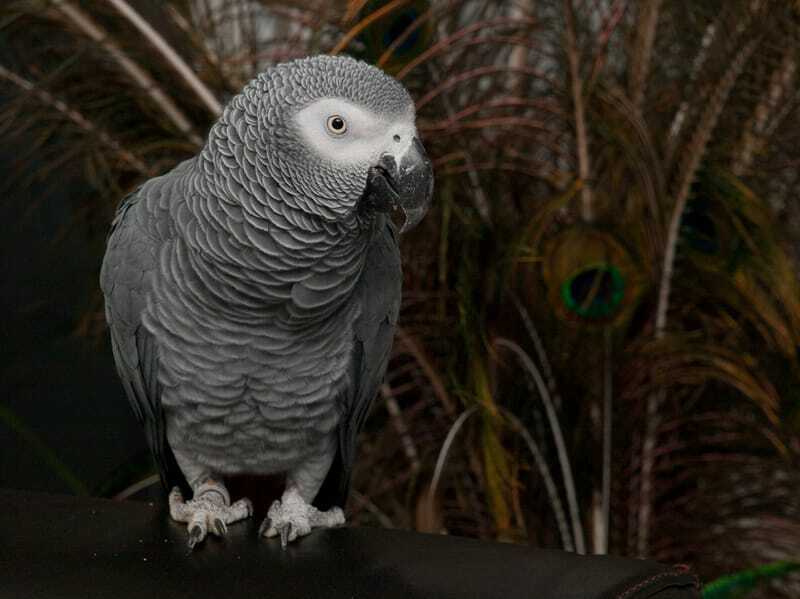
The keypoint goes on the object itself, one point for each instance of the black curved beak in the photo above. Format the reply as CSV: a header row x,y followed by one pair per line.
x,y
407,185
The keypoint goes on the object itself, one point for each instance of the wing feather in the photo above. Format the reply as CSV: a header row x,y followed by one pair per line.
x,y
125,281
379,292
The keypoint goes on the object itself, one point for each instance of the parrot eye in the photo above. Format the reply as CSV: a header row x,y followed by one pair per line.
x,y
336,125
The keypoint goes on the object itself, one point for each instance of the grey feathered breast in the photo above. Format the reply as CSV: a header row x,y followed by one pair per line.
x,y
226,342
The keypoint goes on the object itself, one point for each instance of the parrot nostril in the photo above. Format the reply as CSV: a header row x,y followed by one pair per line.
x,y
397,138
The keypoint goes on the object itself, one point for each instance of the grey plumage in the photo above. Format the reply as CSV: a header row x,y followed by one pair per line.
x,y
252,293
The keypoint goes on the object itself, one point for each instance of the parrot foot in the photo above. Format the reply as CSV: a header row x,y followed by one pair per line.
x,y
292,517
210,511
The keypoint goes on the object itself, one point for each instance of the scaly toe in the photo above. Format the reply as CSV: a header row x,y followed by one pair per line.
x,y
292,518
287,534
243,507
208,513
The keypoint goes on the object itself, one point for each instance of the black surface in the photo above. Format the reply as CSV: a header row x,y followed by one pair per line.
x,y
58,546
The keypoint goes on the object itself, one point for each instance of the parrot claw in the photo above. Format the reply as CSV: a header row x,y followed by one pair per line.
x,y
209,511
219,527
196,534
292,517
286,532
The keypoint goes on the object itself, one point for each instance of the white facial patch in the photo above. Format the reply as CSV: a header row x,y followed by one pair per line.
x,y
366,137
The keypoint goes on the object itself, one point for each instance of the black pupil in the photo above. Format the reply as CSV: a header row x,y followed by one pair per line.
x,y
592,281
337,124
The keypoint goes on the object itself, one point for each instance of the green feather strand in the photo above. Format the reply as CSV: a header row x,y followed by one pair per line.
x,y
739,584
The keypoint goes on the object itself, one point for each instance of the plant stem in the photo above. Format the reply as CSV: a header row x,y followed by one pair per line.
x,y
773,97
91,29
558,439
688,169
547,477
400,426
380,515
445,449
608,388
136,487
76,117
540,352
170,55
366,22
581,136
478,195
414,350
643,49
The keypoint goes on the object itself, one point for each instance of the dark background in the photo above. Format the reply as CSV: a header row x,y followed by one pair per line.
x,y
62,409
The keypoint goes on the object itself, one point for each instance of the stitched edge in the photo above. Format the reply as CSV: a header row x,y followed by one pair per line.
x,y
676,570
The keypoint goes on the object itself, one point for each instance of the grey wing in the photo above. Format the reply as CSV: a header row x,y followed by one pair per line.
x,y
125,279
379,291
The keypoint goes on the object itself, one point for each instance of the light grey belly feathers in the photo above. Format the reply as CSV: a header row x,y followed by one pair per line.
x,y
250,313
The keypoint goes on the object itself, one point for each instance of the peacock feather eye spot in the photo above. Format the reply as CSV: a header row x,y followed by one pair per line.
x,y
594,291
591,277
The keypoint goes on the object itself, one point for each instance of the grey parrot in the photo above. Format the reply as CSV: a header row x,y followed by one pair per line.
x,y
252,292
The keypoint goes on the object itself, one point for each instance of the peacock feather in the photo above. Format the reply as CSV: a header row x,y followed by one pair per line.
x,y
590,276
699,229
740,584
720,223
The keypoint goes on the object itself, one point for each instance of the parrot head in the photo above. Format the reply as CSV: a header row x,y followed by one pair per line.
x,y
335,135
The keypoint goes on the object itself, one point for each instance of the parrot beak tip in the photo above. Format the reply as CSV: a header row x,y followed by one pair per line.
x,y
407,185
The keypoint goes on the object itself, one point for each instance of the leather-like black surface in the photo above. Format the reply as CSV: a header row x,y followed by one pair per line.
x,y
57,546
